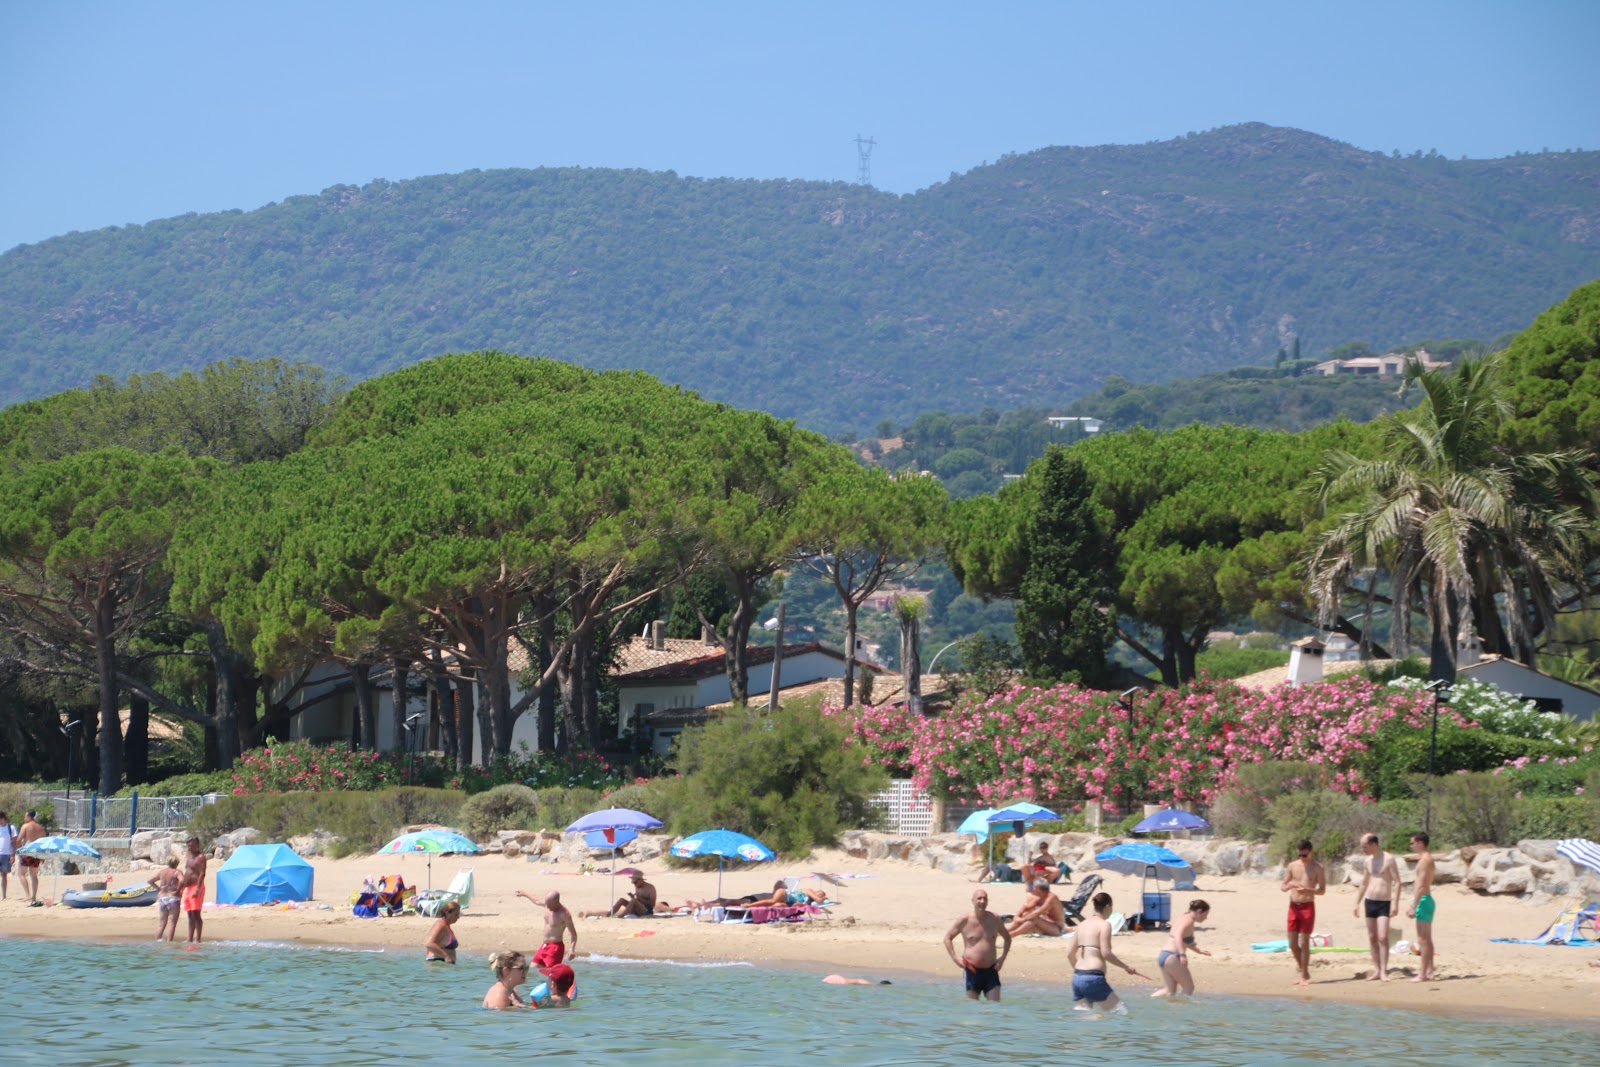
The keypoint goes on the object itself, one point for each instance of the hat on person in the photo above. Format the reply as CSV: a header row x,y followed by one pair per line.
x,y
560,976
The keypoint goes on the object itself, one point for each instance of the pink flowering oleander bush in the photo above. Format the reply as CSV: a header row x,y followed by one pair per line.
x,y
1180,746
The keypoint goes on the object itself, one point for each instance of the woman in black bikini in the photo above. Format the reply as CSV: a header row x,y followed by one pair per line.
x,y
1174,958
441,945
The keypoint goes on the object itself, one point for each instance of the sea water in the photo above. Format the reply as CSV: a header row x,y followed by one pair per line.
x,y
258,1003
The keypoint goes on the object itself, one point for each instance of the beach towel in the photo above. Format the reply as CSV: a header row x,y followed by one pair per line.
x,y
1566,930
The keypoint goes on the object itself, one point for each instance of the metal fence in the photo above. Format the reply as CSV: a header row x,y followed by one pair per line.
x,y
93,814
906,809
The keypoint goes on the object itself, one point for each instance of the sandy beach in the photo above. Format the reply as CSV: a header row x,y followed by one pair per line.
x,y
893,920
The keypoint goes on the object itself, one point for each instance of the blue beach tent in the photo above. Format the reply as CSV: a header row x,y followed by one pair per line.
x,y
259,874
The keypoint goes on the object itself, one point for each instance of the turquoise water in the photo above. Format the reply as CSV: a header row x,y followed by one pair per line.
x,y
252,1004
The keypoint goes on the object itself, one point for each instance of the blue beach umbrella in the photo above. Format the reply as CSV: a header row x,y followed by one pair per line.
x,y
1020,813
723,844
614,819
431,843
1580,850
1168,820
1141,857
261,874
62,848
977,824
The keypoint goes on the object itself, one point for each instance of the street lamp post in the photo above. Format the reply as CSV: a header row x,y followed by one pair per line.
x,y
1441,695
410,725
775,623
69,730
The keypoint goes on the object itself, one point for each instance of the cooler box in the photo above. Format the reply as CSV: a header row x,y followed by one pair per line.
x,y
1158,907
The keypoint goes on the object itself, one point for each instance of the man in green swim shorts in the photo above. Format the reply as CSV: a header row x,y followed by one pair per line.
x,y
1422,905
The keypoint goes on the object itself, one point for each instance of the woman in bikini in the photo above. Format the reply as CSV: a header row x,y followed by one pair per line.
x,y
167,883
1089,954
441,945
510,970
1173,960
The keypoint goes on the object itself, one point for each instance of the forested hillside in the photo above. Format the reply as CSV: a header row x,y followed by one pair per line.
x,y
1029,281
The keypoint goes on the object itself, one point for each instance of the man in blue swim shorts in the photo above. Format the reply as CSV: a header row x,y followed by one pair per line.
x,y
981,958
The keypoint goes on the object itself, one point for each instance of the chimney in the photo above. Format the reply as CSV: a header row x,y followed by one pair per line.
x,y
1469,650
708,637
1305,661
658,635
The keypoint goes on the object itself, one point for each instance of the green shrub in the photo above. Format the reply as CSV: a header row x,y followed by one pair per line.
x,y
1241,811
363,821
1552,776
1475,808
1333,821
505,807
1400,752
791,779
1238,662
1406,814
651,796
561,806
184,785
1552,818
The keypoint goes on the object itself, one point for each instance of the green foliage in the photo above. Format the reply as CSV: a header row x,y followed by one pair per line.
x,y
1553,371
988,663
1475,809
1063,626
15,803
194,784
1333,821
516,807
363,821
1399,753
1242,809
1238,662
792,779
1553,818
1034,254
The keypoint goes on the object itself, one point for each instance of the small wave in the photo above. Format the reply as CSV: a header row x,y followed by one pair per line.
x,y
597,957
296,947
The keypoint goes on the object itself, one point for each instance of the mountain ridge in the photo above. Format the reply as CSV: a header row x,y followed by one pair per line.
x,y
1024,281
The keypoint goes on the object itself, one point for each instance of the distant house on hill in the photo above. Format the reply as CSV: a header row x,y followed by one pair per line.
x,y
1388,365
666,684
1082,422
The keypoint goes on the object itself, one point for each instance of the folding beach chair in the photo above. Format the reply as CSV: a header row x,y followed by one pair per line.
x,y
431,902
1074,908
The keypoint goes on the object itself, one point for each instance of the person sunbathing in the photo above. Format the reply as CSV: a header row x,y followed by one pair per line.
x,y
1042,913
780,896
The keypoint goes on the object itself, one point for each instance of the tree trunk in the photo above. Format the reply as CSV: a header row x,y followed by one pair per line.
x,y
464,712
736,645
497,680
849,654
911,661
1442,641
399,680
547,693
569,681
366,733
485,725
227,668
110,776
136,745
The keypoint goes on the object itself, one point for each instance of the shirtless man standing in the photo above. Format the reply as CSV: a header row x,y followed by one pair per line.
x,y
1304,880
194,889
980,959
28,872
1422,905
557,923
1380,890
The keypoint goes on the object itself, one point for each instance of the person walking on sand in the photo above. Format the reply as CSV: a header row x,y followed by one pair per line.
x,y
1173,961
8,853
1304,880
194,889
557,924
1089,954
30,831
167,882
1380,890
1422,905
980,958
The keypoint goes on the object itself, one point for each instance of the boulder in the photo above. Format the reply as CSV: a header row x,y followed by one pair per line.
x,y
316,843
520,838
1449,869
1517,880
148,844
510,850
1540,851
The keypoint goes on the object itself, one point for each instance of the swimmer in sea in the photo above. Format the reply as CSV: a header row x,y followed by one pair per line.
x,y
441,945
839,979
1173,960
1089,954
510,970
980,959
556,990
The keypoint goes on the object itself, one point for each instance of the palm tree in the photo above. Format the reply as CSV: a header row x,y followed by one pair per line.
x,y
1466,531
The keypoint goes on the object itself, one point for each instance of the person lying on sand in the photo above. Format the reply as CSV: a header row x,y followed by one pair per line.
x,y
780,896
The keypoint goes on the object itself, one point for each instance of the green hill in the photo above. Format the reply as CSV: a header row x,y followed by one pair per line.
x,y
1026,282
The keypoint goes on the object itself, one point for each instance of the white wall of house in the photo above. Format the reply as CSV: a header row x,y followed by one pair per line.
x,y
1523,681
799,669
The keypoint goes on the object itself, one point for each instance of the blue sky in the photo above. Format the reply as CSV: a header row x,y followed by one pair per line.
x,y
125,112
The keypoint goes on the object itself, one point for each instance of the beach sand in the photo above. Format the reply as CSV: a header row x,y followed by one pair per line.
x,y
893,921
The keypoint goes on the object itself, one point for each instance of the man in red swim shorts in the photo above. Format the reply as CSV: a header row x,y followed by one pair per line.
x,y
557,923
194,889
1304,880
